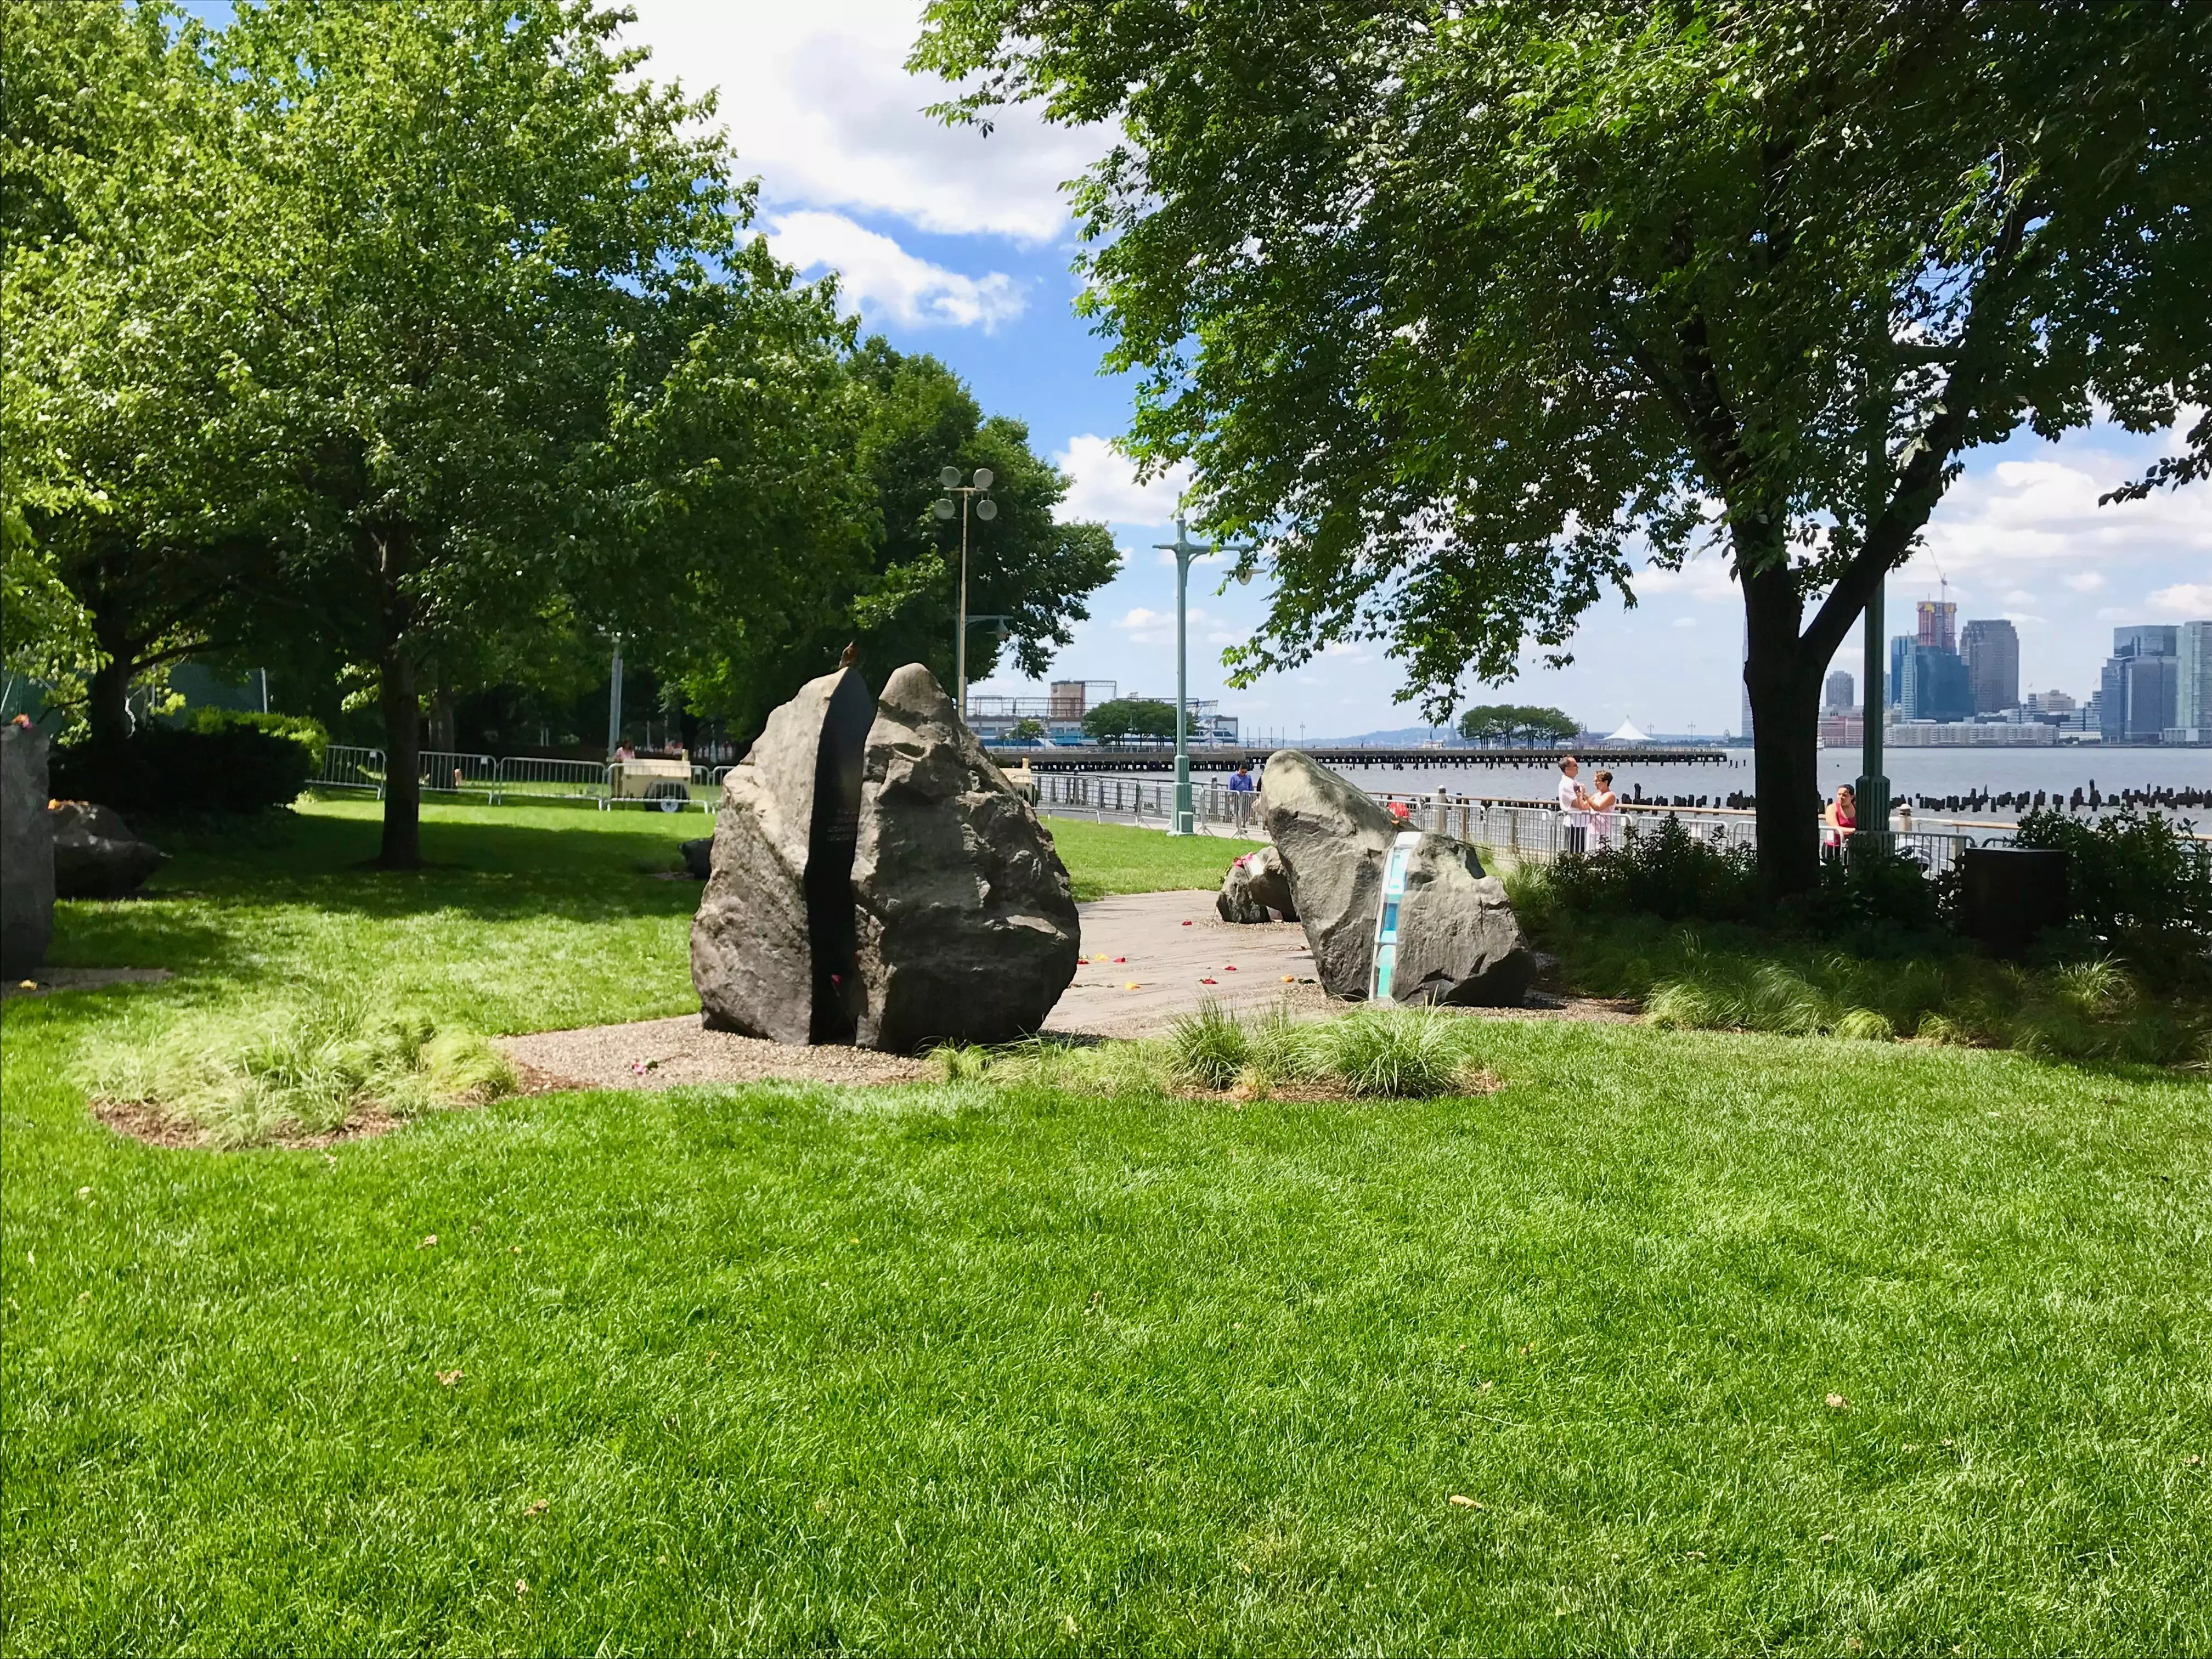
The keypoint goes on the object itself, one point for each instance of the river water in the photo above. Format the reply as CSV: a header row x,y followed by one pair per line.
x,y
1913,772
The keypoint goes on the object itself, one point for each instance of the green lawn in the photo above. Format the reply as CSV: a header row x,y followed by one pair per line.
x,y
959,1367
1113,857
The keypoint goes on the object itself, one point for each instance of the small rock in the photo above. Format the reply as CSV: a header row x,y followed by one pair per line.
x,y
1257,888
95,854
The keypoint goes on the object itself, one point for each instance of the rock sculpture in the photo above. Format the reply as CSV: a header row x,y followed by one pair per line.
x,y
27,853
95,854
968,927
1257,888
1458,939
772,946
1459,942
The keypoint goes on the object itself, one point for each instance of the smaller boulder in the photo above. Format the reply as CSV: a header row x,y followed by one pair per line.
x,y
1459,942
95,854
699,857
1257,888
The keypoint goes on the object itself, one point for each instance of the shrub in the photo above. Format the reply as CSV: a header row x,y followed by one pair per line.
x,y
302,729
1664,871
160,768
2137,886
1871,892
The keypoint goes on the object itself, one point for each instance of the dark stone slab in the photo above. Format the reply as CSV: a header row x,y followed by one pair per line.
x,y
967,922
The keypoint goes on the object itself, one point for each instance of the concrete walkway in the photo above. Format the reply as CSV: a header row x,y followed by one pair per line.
x,y
1169,946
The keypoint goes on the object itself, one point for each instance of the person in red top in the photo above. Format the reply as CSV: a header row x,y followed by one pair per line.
x,y
1841,817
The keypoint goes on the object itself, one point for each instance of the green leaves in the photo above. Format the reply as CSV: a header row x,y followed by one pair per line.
x,y
1468,312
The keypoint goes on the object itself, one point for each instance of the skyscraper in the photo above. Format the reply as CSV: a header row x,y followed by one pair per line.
x,y
1991,649
2138,691
1935,686
1747,689
1839,700
2192,699
1899,645
1939,621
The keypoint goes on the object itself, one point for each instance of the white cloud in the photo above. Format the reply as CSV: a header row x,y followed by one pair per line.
x,y
818,103
1106,485
1147,627
1703,579
1684,622
2045,512
2191,600
877,274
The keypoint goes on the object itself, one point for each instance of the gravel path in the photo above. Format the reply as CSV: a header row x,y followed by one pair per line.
x,y
667,1053
1148,957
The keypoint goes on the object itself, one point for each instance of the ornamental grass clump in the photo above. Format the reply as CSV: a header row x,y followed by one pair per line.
x,y
1403,1052
301,1072
1207,1049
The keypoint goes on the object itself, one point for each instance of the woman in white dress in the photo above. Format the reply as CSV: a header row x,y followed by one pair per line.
x,y
1604,810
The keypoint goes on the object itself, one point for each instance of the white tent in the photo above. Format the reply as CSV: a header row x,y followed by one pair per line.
x,y
1628,734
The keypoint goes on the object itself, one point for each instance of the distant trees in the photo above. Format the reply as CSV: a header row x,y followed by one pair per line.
x,y
1130,717
1511,723
1027,731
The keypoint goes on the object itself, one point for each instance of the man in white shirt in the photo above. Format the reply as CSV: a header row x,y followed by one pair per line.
x,y
1574,805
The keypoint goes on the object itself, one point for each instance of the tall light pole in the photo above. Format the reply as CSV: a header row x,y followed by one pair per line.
x,y
1185,550
614,703
986,509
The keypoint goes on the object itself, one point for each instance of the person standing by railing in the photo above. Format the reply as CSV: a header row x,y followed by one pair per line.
x,y
1240,795
1604,810
1841,818
1574,802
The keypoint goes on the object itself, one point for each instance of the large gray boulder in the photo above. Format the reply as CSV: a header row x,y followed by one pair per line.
x,y
1257,888
1458,940
772,946
968,928
27,853
95,854
1333,840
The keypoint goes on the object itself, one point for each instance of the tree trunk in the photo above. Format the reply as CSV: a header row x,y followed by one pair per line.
x,y
402,779
108,698
1784,683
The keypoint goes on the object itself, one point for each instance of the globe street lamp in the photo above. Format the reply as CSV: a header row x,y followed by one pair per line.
x,y
986,509
1185,550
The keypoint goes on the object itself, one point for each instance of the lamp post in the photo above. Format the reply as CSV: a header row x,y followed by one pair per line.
x,y
614,703
1873,708
1185,550
974,494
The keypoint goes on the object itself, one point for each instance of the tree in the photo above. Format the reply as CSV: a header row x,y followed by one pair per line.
x,y
1131,717
1462,308
1507,722
1026,731
1029,571
124,339
506,269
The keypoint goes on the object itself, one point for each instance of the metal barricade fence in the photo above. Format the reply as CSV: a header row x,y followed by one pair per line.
x,y
347,766
527,777
447,772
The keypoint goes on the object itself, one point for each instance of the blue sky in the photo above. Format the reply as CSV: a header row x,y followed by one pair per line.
x,y
960,245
